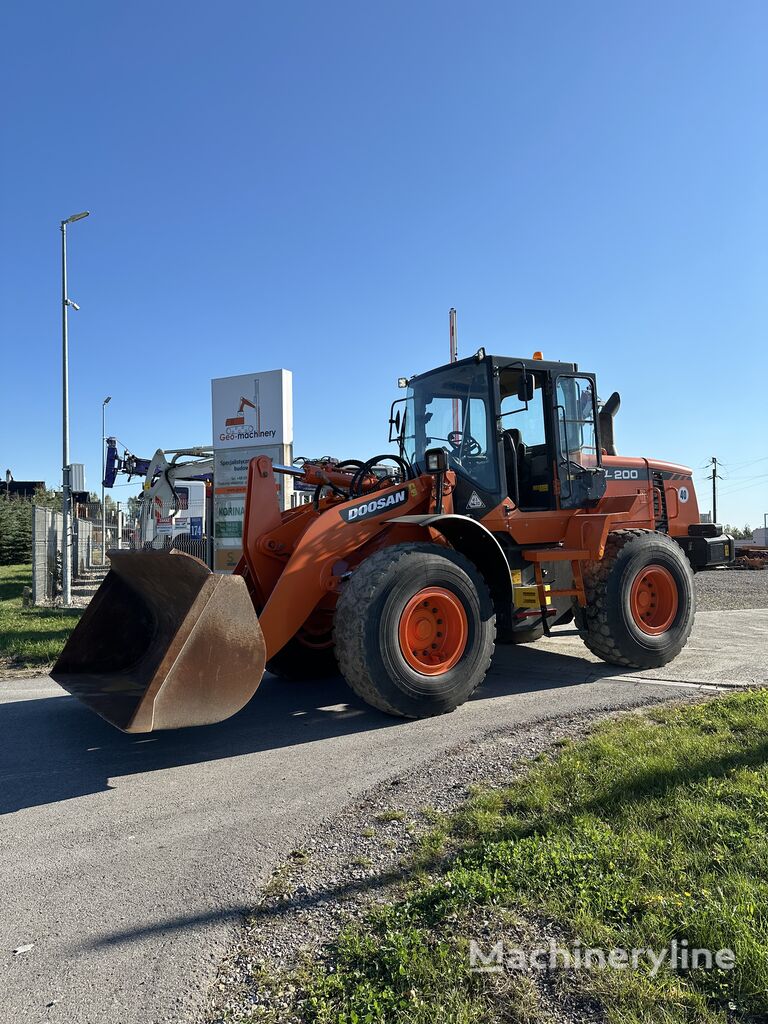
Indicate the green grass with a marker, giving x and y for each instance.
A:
(385, 817)
(654, 828)
(29, 637)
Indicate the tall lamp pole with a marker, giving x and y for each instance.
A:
(66, 492)
(104, 405)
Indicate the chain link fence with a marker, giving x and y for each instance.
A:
(48, 548)
(142, 524)
(92, 536)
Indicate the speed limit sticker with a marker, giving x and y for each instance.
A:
(683, 494)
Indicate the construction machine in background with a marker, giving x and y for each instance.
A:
(176, 505)
(506, 511)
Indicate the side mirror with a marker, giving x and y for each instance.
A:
(396, 421)
(525, 388)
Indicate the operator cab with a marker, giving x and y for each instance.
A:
(523, 430)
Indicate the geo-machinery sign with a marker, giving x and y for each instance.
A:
(252, 415)
(252, 409)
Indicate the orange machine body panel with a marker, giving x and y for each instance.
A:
(294, 561)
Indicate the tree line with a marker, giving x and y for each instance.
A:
(16, 525)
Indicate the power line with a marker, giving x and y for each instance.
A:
(728, 466)
(742, 481)
(743, 465)
(756, 482)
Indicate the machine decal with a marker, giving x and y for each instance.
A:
(475, 501)
(633, 473)
(375, 506)
(683, 494)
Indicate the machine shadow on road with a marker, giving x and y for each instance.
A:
(55, 749)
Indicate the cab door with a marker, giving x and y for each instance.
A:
(579, 472)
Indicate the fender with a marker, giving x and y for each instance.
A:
(475, 541)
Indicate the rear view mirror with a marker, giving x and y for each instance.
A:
(396, 421)
(525, 388)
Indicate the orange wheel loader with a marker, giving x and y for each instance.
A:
(506, 511)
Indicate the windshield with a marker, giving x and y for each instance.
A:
(450, 409)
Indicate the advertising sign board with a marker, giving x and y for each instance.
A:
(252, 409)
(252, 415)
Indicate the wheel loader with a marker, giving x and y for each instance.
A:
(505, 511)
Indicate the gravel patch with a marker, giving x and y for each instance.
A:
(360, 857)
(721, 590)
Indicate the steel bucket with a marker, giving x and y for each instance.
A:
(165, 643)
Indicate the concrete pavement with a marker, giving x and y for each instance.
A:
(127, 860)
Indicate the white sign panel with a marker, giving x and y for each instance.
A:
(253, 409)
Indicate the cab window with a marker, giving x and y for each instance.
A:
(450, 409)
(530, 421)
(577, 452)
(524, 437)
(577, 437)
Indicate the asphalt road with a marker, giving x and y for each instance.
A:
(128, 860)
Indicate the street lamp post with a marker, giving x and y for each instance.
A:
(66, 492)
(104, 405)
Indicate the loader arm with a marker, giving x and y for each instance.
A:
(290, 576)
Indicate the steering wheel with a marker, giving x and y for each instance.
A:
(463, 444)
(403, 472)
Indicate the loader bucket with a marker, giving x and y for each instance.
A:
(164, 644)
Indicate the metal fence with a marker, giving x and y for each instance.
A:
(47, 552)
(139, 525)
(92, 537)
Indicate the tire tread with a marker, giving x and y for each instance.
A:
(592, 622)
(350, 620)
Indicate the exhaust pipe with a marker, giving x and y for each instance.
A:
(606, 416)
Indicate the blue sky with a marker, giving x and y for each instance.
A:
(313, 186)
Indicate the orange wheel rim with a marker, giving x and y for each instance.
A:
(433, 631)
(653, 599)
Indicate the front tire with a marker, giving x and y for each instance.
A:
(640, 600)
(414, 630)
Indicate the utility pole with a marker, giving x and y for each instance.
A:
(454, 345)
(714, 478)
(66, 491)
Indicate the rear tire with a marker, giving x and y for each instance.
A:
(414, 630)
(640, 600)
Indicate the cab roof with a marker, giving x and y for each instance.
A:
(499, 363)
